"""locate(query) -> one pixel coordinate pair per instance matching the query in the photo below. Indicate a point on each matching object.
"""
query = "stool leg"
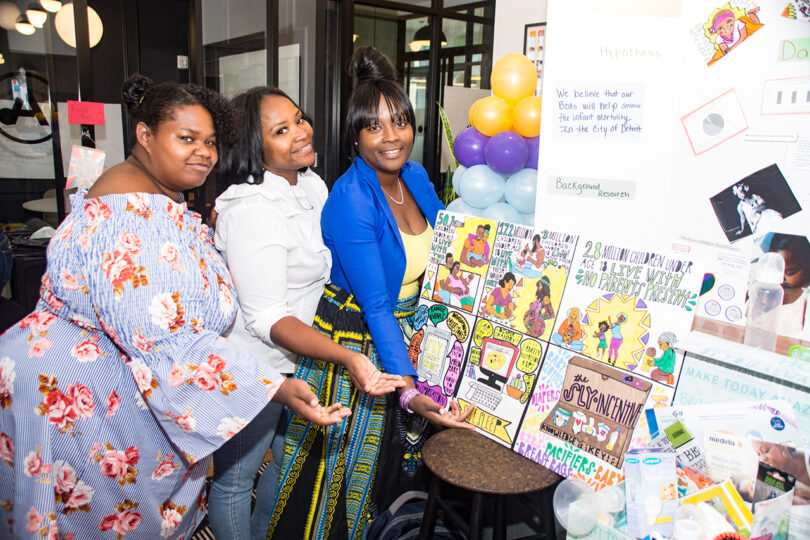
(499, 533)
(429, 518)
(475, 517)
(547, 513)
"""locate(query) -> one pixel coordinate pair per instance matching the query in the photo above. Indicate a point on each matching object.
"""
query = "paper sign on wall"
(85, 112)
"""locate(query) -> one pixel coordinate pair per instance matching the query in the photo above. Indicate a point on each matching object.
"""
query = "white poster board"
(643, 140)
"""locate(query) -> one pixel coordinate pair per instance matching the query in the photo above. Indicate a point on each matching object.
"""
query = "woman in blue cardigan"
(378, 224)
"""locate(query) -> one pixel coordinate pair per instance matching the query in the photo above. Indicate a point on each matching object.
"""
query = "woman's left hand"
(435, 414)
(297, 395)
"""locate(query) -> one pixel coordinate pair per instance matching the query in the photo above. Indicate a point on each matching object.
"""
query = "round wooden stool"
(470, 461)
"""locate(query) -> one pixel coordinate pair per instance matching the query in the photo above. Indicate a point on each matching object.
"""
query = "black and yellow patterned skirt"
(335, 479)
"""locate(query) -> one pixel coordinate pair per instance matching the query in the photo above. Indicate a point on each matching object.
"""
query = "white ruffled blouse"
(270, 237)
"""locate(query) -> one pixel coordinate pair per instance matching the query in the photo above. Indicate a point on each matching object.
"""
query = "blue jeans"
(236, 464)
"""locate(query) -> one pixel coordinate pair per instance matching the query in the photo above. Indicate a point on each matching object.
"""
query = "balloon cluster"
(497, 175)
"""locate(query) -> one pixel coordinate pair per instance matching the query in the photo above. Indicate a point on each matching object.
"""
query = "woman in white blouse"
(268, 230)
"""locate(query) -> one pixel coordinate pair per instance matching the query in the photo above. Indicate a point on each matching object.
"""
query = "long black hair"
(545, 290)
(153, 103)
(243, 159)
(535, 241)
(376, 76)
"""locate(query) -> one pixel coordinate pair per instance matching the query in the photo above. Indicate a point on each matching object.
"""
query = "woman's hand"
(367, 378)
(296, 394)
(454, 418)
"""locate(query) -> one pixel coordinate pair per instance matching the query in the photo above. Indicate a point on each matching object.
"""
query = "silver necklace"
(401, 195)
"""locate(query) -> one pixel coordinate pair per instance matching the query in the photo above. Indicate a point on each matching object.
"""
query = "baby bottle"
(765, 299)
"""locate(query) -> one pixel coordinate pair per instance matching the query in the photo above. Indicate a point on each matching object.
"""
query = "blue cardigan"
(368, 258)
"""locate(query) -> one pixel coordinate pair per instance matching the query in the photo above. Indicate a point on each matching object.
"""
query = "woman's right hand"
(367, 378)
(297, 395)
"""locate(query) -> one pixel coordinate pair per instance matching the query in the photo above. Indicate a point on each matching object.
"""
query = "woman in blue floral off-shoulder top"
(116, 390)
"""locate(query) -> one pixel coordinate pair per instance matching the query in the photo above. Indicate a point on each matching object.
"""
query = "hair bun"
(370, 64)
(133, 90)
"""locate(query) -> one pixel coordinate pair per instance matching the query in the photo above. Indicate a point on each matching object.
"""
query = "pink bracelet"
(406, 397)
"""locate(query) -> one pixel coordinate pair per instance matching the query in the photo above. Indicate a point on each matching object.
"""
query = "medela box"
(651, 487)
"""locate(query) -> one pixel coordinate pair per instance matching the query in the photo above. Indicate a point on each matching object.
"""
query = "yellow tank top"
(417, 249)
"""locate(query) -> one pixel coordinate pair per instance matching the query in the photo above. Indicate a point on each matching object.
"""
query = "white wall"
(510, 18)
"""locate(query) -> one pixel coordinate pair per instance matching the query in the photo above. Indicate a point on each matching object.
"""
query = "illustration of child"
(600, 335)
(649, 359)
(727, 30)
(569, 335)
(475, 252)
(616, 337)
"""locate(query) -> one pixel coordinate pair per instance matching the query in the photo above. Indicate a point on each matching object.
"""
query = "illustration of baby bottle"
(612, 441)
(579, 420)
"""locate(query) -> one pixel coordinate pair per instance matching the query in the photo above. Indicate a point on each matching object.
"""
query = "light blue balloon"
(521, 190)
(527, 219)
(460, 207)
(481, 186)
(457, 174)
(502, 212)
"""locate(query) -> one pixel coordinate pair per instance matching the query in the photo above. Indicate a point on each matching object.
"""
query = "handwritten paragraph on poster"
(598, 111)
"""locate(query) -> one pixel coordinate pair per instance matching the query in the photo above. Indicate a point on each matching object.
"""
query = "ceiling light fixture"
(421, 38)
(51, 5)
(66, 28)
(36, 15)
(24, 27)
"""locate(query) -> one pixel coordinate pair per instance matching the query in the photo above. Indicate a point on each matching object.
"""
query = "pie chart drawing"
(713, 124)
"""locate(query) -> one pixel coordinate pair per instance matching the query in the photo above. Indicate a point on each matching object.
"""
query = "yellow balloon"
(527, 116)
(513, 78)
(491, 115)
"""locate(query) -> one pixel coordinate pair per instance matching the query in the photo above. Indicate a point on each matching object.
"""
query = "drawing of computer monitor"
(433, 353)
(497, 360)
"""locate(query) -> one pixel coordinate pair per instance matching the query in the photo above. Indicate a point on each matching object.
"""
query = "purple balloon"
(506, 152)
(534, 149)
(469, 147)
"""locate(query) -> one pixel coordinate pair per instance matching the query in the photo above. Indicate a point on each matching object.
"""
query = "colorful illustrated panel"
(526, 278)
(626, 307)
(583, 416)
(459, 258)
(725, 28)
(438, 347)
(499, 377)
